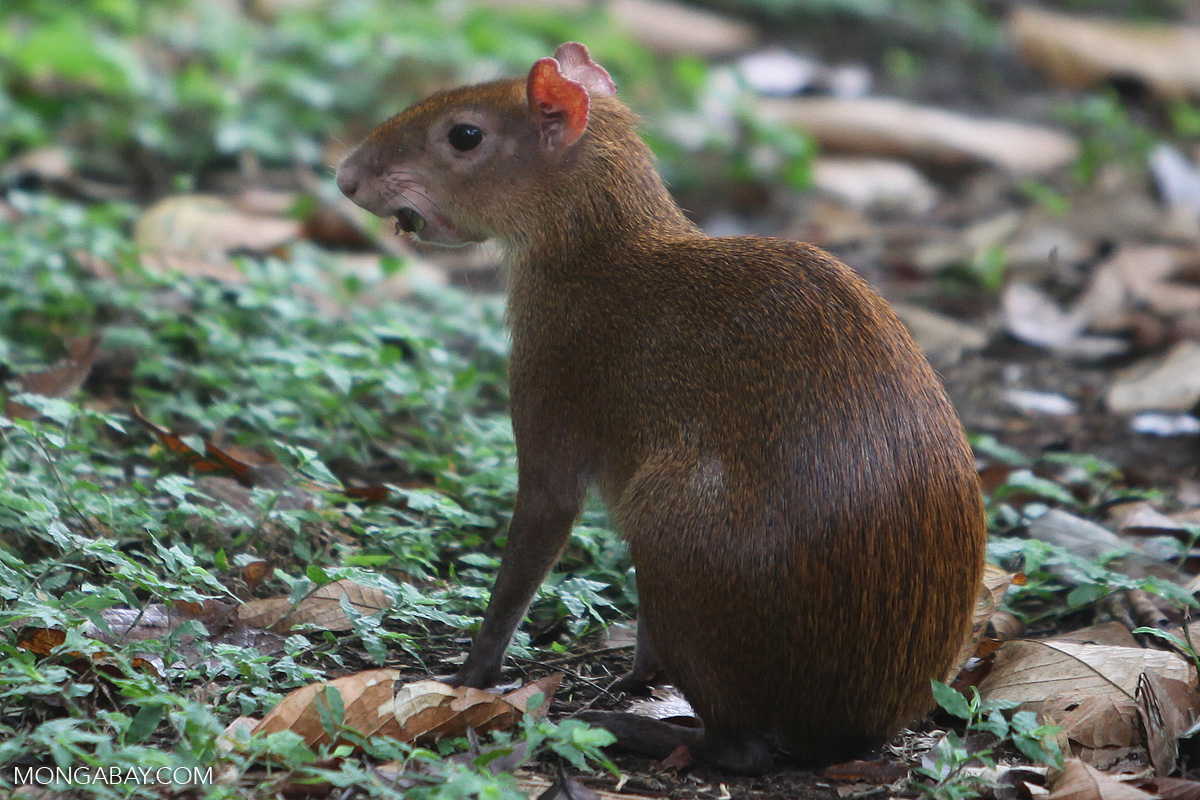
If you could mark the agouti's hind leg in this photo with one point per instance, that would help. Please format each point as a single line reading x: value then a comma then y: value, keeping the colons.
x: 645, y: 665
x: 745, y: 755
x: 658, y: 739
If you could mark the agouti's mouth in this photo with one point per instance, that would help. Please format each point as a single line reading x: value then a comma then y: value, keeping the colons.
x: 409, y: 221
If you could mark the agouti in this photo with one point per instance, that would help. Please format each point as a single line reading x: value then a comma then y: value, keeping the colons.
x: 799, y: 500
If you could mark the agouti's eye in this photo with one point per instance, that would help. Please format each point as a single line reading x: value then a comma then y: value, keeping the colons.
x: 465, y: 136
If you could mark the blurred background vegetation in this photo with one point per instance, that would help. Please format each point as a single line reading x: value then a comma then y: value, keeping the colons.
x: 164, y: 92
x: 157, y: 95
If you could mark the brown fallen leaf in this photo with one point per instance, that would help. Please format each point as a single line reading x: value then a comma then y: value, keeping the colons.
x: 1169, y: 788
x: 665, y: 26
x: 254, y: 573
x: 523, y: 696
x: 1094, y: 721
x: 1033, y: 317
x: 1167, y: 708
x: 40, y: 641
x: 209, y: 226
x: 61, y: 380
x: 1005, y: 626
x: 1029, y: 671
x: 893, y: 128
x: 1107, y: 633
x: 943, y: 339
x: 366, y: 699
x: 158, y: 621
x: 240, y: 728
x: 322, y: 608
x: 1147, y: 610
x: 995, y: 585
x: 1022, y: 783
x: 1161, y: 276
x: 1114, y: 759
x: 1080, y: 52
x: 1079, y: 781
x: 252, y: 468
x: 197, y: 236
x: 249, y: 465
x: 367, y: 494
x: 1169, y: 384
x: 875, y: 184
x: 676, y: 28
x: 177, y: 446
x: 430, y: 710
x: 42, y: 165
x: 52, y: 169
x: 155, y: 622
x: 680, y: 759
x: 1143, y: 519
x: 375, y: 704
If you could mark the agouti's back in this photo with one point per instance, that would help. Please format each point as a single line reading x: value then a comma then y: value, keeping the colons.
x: 798, y: 496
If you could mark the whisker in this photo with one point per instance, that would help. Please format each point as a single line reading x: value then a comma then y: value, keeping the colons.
x: 432, y: 202
x: 401, y: 184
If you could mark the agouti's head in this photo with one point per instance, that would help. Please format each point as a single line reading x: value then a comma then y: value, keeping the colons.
x: 468, y: 164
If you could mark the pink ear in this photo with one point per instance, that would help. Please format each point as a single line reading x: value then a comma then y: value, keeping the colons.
x: 559, y: 89
x: 577, y: 65
x: 559, y: 104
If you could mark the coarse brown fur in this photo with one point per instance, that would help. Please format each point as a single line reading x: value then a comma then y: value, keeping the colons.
x: 798, y: 497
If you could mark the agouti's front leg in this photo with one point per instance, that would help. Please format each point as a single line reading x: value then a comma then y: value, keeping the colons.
x: 549, y: 498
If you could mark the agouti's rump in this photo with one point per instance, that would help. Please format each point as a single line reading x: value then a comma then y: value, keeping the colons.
x: 800, y: 505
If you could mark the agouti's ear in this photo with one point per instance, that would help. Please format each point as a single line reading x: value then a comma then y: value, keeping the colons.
x: 577, y: 65
x: 558, y: 89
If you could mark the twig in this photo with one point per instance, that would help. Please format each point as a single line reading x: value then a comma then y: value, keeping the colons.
x: 583, y: 656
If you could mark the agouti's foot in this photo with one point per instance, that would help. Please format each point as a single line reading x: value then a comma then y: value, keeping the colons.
x: 658, y: 739
x: 475, y: 677
x: 634, y: 682
x: 642, y: 735
x: 744, y: 756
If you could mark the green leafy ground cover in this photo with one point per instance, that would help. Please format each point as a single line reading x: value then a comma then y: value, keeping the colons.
x: 91, y: 518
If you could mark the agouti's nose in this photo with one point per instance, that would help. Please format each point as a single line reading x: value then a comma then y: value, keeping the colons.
x: 348, y: 180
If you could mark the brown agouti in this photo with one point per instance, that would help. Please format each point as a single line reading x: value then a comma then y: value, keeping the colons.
x: 798, y: 497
